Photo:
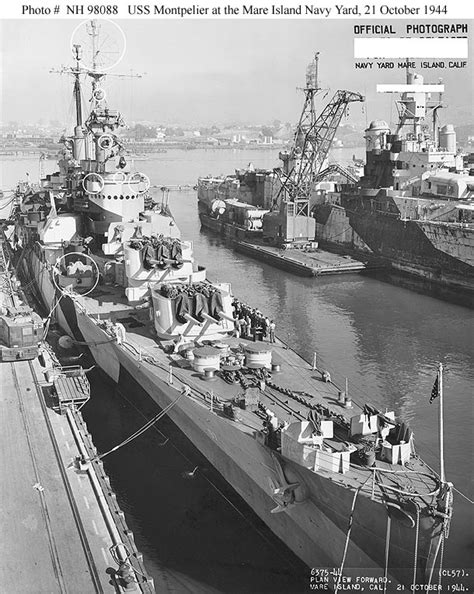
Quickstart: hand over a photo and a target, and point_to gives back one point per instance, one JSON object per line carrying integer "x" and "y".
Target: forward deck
{"x": 290, "y": 394}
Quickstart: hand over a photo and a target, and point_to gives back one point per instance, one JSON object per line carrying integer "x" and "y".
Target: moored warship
{"x": 413, "y": 205}
{"x": 342, "y": 486}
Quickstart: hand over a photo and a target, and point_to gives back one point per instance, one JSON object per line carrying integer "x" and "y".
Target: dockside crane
{"x": 304, "y": 161}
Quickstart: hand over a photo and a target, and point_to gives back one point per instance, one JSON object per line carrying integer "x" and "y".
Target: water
{"x": 385, "y": 339}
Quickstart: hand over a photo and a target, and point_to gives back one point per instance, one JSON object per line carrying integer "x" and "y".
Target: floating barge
{"x": 305, "y": 262}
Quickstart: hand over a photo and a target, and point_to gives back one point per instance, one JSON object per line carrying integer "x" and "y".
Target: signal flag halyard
{"x": 435, "y": 389}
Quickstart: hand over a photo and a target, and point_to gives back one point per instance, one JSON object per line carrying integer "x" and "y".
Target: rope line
{"x": 49, "y": 317}
{"x": 462, "y": 495}
{"x": 387, "y": 550}
{"x": 215, "y": 487}
{"x": 128, "y": 558}
{"x": 348, "y": 536}
{"x": 140, "y": 431}
{"x": 441, "y": 558}
{"x": 454, "y": 488}
{"x": 415, "y": 553}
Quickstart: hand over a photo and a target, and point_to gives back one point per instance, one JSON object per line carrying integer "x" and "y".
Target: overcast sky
{"x": 203, "y": 71}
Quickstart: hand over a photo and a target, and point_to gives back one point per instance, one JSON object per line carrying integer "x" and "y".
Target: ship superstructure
{"x": 342, "y": 486}
{"x": 413, "y": 205}
{"x": 79, "y": 219}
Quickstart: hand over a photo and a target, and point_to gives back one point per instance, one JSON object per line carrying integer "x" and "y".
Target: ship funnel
{"x": 447, "y": 138}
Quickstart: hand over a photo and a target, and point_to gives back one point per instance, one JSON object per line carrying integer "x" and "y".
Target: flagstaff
{"x": 441, "y": 429}
{"x": 437, "y": 391}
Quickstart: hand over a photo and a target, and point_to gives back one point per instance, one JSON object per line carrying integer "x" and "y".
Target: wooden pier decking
{"x": 58, "y": 526}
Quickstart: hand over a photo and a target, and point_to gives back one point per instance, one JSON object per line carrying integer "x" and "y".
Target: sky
{"x": 208, "y": 71}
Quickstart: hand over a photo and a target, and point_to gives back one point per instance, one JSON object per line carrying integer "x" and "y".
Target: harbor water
{"x": 386, "y": 340}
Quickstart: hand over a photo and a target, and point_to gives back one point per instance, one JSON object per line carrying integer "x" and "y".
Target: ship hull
{"x": 334, "y": 231}
{"x": 316, "y": 530}
{"x": 440, "y": 253}
{"x": 409, "y": 248}
{"x": 34, "y": 267}
{"x": 227, "y": 230}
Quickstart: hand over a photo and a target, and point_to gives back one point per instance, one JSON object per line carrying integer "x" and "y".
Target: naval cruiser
{"x": 342, "y": 486}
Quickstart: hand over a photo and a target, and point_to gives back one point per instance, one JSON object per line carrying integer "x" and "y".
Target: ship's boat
{"x": 413, "y": 205}
{"x": 342, "y": 486}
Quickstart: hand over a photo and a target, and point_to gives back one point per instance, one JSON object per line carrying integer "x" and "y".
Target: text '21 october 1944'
{"x": 242, "y": 10}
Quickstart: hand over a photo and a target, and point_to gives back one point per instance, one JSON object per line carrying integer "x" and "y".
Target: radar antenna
{"x": 96, "y": 47}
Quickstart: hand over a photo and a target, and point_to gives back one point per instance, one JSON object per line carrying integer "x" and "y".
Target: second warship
{"x": 414, "y": 204}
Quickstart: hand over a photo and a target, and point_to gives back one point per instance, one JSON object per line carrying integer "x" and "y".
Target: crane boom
{"x": 289, "y": 223}
{"x": 312, "y": 145}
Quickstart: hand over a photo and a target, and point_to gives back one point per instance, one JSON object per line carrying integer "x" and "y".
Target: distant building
{"x": 192, "y": 134}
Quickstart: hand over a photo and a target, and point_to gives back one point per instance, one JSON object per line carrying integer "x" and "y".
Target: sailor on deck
{"x": 271, "y": 331}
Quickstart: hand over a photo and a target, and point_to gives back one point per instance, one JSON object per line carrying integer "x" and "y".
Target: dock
{"x": 305, "y": 262}
{"x": 62, "y": 529}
